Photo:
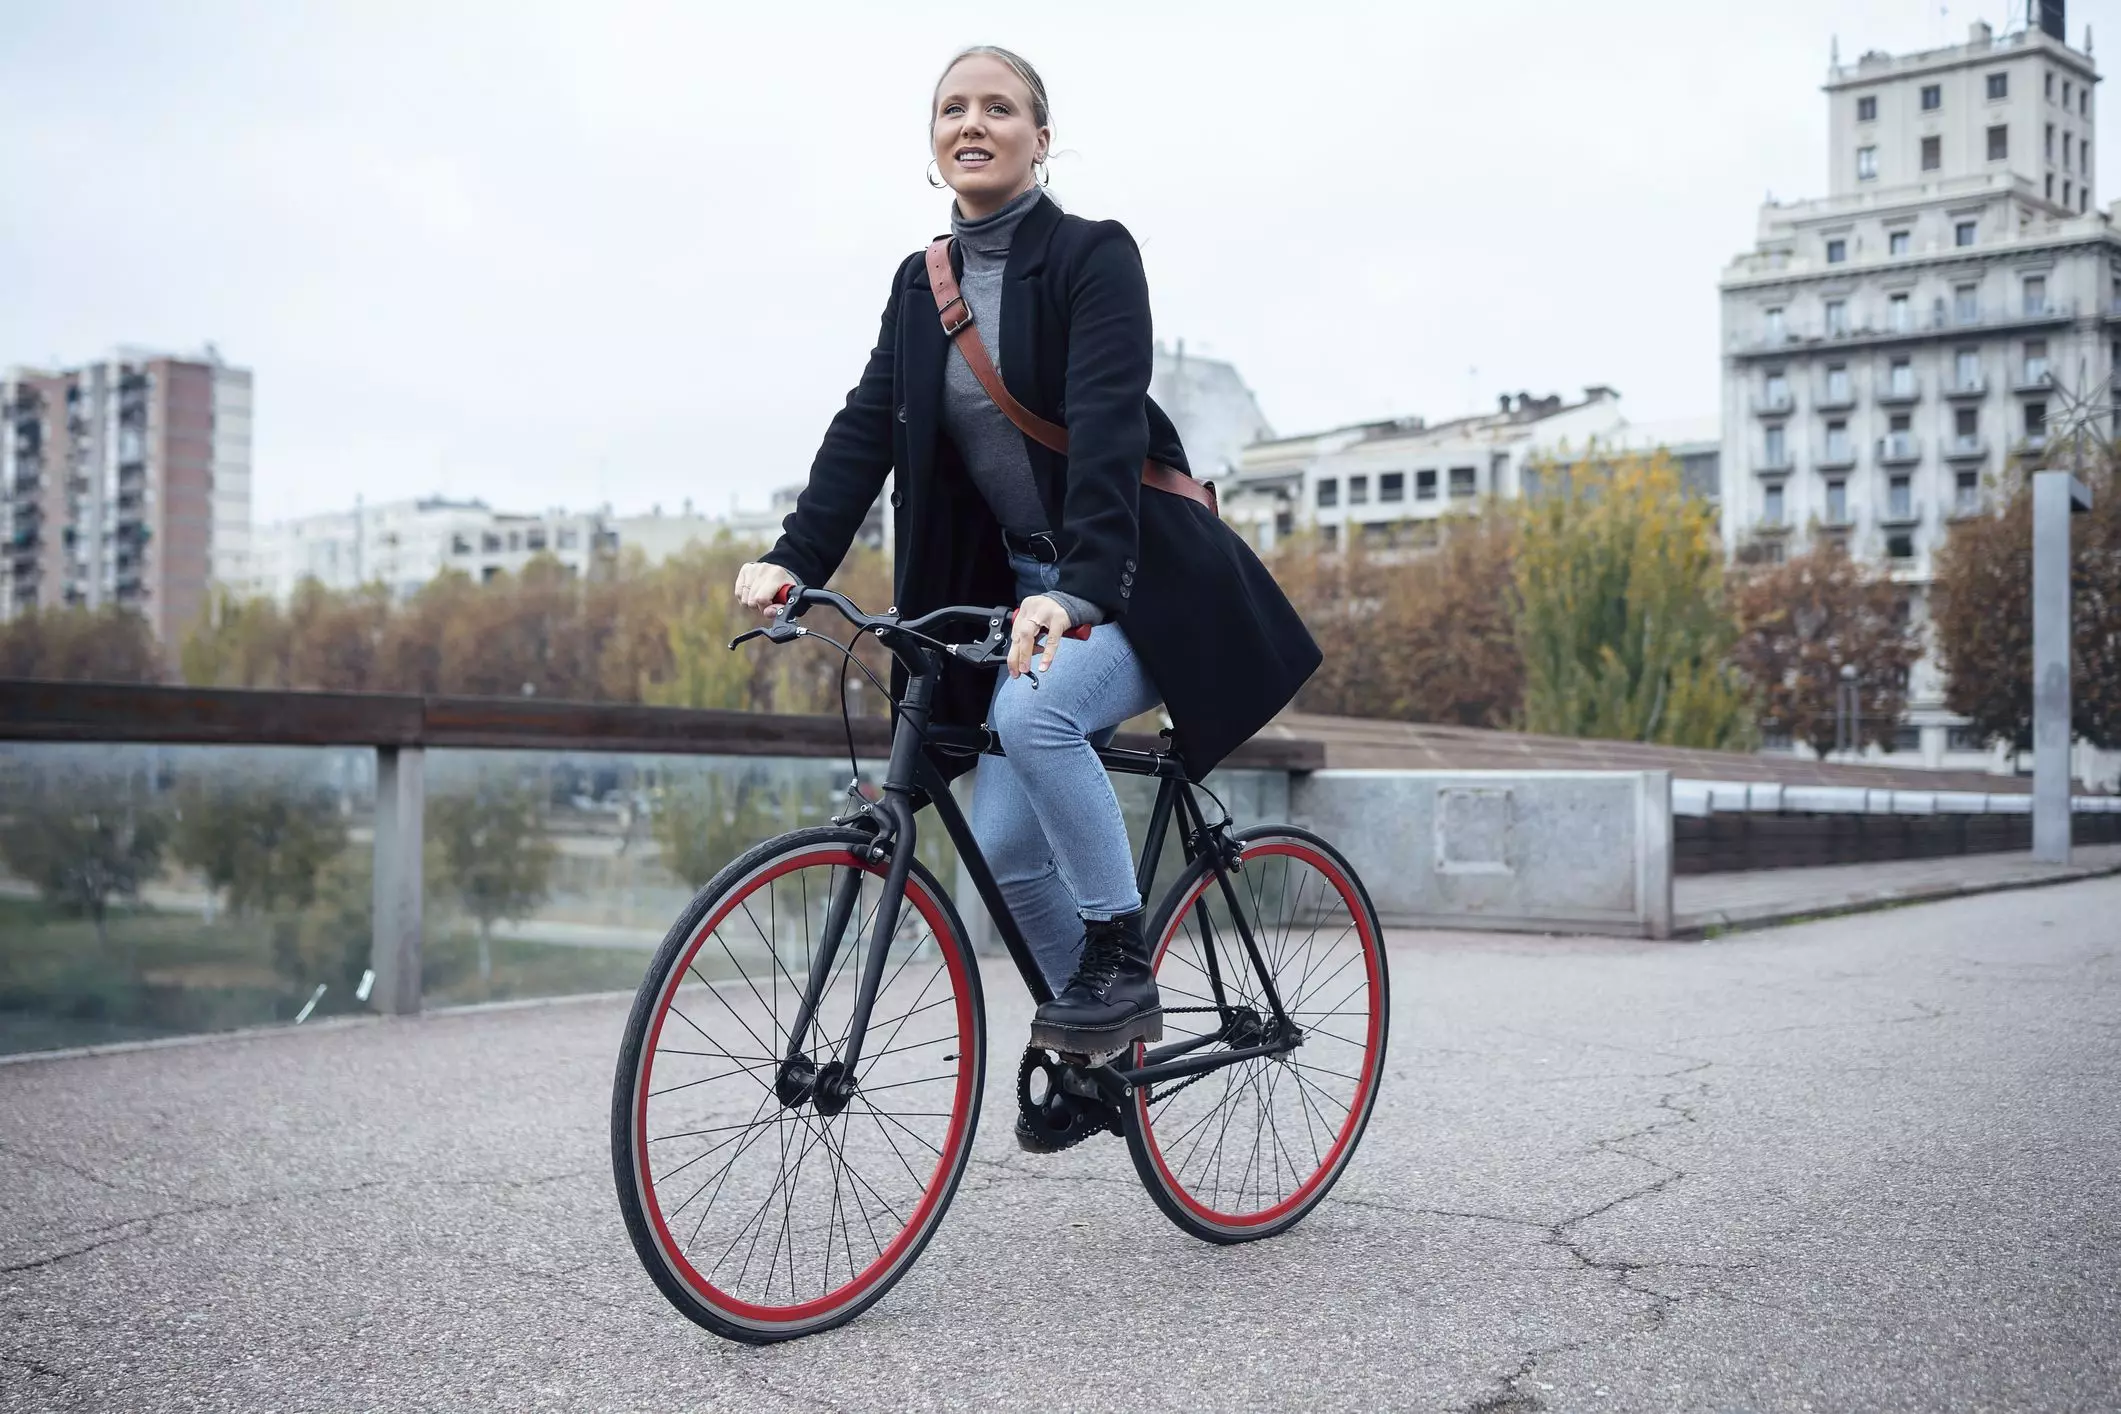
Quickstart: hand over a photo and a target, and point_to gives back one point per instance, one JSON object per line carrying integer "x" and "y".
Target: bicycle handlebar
{"x": 994, "y": 648}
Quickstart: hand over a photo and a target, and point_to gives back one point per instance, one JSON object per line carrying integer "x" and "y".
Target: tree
{"x": 1800, "y": 623}
{"x": 262, "y": 846}
{"x": 84, "y": 840}
{"x": 707, "y": 818}
{"x": 1423, "y": 637}
{"x": 1982, "y": 613}
{"x": 498, "y": 857}
{"x": 1623, "y": 626}
{"x": 76, "y": 644}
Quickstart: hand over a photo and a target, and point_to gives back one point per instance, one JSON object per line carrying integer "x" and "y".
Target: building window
{"x": 2035, "y": 295}
{"x": 1964, "y": 739}
{"x": 1900, "y": 545}
{"x": 1837, "y": 441}
{"x": 1866, "y": 163}
{"x": 1900, "y": 315}
{"x": 459, "y": 545}
{"x": 1867, "y": 109}
{"x": 568, "y": 538}
{"x": 2066, "y": 193}
{"x": 1966, "y": 492}
{"x": 1328, "y": 491}
{"x": 1999, "y": 142}
{"x": 1462, "y": 482}
{"x": 1837, "y": 383}
{"x": 535, "y": 540}
{"x": 1775, "y": 393}
{"x": 1999, "y": 85}
{"x": 1901, "y": 378}
{"x": 490, "y": 543}
{"x": 1906, "y": 739}
{"x": 2084, "y": 199}
{"x": 2050, "y": 86}
{"x": 1837, "y": 317}
{"x": 1932, "y": 153}
{"x": 1966, "y": 428}
{"x": 2084, "y": 102}
{"x": 2035, "y": 362}
{"x": 1775, "y": 447}
{"x": 2065, "y": 93}
{"x": 1771, "y": 506}
{"x": 2050, "y": 142}
{"x": 1966, "y": 369}
{"x": 1425, "y": 485}
{"x": 1896, "y": 243}
{"x": 2066, "y": 165}
{"x": 1837, "y": 502}
{"x": 1966, "y": 304}
{"x": 2050, "y": 186}
{"x": 1900, "y": 498}
{"x": 1837, "y": 250}
{"x": 1773, "y": 320}
{"x": 1963, "y": 233}
{"x": 1932, "y": 97}
{"x": 1392, "y": 486}
{"x": 1358, "y": 490}
{"x": 2036, "y": 422}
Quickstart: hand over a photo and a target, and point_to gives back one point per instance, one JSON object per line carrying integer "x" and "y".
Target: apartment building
{"x": 125, "y": 482}
{"x": 1890, "y": 346}
{"x": 404, "y": 544}
{"x": 1207, "y": 401}
{"x": 1389, "y": 483}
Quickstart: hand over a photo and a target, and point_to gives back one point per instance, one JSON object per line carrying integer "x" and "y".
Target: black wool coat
{"x": 1207, "y": 621}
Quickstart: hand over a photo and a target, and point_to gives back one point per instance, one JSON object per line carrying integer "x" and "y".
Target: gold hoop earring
{"x": 934, "y": 177}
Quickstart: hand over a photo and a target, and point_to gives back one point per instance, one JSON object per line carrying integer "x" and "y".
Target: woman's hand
{"x": 1033, "y": 615}
{"x": 757, "y": 585}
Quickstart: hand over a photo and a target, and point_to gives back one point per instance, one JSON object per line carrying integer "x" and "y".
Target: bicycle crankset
{"x": 1056, "y": 1117}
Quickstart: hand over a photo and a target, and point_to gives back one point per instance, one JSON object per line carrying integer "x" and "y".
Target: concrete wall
{"x": 1576, "y": 851}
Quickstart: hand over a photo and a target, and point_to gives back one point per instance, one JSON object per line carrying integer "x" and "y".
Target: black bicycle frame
{"x": 913, "y": 773}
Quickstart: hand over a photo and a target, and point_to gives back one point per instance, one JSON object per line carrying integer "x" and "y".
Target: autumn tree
{"x": 1801, "y": 622}
{"x": 77, "y": 644}
{"x": 1981, "y": 610}
{"x": 498, "y": 857}
{"x": 1623, "y": 623}
{"x": 1424, "y": 635}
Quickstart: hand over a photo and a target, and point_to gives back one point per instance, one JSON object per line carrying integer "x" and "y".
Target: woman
{"x": 1183, "y": 612}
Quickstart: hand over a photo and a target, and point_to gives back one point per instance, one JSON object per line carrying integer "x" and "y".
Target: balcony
{"x": 1836, "y": 399}
{"x": 2033, "y": 379}
{"x": 1837, "y": 456}
{"x": 1899, "y": 449}
{"x": 1773, "y": 404}
{"x": 1900, "y": 514}
{"x": 1817, "y": 338}
{"x": 1773, "y": 464}
{"x": 1975, "y": 387}
{"x": 1966, "y": 449}
{"x": 1901, "y": 396}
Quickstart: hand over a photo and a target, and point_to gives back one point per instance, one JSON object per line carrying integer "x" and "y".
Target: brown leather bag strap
{"x": 956, "y": 315}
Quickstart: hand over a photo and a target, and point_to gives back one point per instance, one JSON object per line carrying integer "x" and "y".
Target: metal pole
{"x": 2051, "y": 508}
{"x": 394, "y": 953}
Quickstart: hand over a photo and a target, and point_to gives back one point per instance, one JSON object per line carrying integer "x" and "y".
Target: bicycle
{"x": 786, "y": 1140}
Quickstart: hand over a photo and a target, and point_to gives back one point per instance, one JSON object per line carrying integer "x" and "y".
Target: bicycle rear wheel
{"x": 761, "y": 1212}
{"x": 1245, "y": 1151}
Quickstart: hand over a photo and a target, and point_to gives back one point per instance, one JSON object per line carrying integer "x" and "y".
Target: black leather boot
{"x": 1111, "y": 1000}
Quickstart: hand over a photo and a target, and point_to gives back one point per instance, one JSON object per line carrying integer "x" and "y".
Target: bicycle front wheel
{"x": 1246, "y": 1150}
{"x": 761, "y": 1211}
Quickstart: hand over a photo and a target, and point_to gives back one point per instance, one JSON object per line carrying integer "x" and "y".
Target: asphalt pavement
{"x": 1865, "y": 1163}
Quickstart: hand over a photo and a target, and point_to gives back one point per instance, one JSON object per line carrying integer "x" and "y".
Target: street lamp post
{"x": 1848, "y": 711}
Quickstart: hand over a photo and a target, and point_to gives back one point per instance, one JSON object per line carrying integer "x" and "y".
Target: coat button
{"x": 901, "y": 412}
{"x": 896, "y": 500}
{"x": 1130, "y": 564}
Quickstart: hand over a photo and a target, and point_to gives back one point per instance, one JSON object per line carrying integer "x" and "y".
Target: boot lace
{"x": 1100, "y": 961}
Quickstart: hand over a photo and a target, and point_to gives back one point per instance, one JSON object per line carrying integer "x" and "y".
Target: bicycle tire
{"x": 1148, "y": 1119}
{"x": 664, "y": 1254}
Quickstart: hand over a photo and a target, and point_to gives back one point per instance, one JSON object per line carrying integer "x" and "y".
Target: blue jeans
{"x": 1045, "y": 814}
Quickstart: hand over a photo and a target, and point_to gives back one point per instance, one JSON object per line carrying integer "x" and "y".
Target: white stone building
{"x": 1889, "y": 346}
{"x": 1389, "y": 482}
{"x": 1215, "y": 413}
{"x": 404, "y": 544}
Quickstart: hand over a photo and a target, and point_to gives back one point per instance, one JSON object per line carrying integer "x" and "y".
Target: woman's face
{"x": 985, "y": 136}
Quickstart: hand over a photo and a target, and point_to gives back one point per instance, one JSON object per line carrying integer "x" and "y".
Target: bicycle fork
{"x": 831, "y": 1086}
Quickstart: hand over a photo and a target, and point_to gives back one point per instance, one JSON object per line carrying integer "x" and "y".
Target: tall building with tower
{"x": 124, "y": 482}
{"x": 1889, "y": 347}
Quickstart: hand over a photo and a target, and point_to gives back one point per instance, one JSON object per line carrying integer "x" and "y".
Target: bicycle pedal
{"x": 1093, "y": 1059}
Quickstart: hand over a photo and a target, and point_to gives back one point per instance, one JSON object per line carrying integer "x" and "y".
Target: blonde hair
{"x": 1018, "y": 64}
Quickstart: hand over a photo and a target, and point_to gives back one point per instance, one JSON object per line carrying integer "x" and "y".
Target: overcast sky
{"x": 575, "y": 253}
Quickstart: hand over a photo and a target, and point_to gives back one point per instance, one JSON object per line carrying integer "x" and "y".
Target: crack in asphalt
{"x": 35, "y": 1367}
{"x": 1627, "y": 1275}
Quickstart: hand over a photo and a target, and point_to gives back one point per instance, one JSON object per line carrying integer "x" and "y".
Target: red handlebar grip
{"x": 780, "y": 596}
{"x": 1079, "y": 631}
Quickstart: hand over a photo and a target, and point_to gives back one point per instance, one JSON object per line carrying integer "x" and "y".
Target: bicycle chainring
{"x": 1059, "y": 1120}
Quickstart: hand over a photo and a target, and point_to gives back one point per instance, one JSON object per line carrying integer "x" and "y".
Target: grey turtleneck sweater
{"x": 992, "y": 448}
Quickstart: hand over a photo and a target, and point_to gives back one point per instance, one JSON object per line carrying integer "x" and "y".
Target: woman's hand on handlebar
{"x": 1036, "y": 614}
{"x": 759, "y": 586}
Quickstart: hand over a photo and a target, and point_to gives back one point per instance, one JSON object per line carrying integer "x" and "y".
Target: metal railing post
{"x": 401, "y": 799}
